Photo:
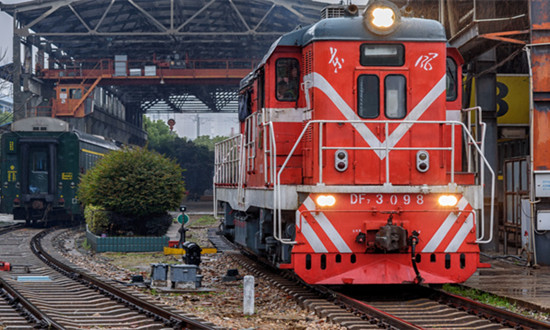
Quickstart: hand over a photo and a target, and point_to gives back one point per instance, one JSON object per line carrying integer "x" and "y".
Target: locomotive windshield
{"x": 395, "y": 97}
{"x": 368, "y": 93}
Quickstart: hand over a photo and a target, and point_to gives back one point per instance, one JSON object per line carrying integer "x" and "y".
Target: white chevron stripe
{"x": 321, "y": 83}
{"x": 312, "y": 237}
{"x": 327, "y": 227}
{"x": 314, "y": 79}
{"x": 443, "y": 230}
{"x": 461, "y": 234}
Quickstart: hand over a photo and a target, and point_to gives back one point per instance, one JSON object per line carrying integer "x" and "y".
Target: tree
{"x": 210, "y": 143}
{"x": 196, "y": 157}
{"x": 6, "y": 87}
{"x": 197, "y": 161}
{"x": 158, "y": 132}
{"x": 136, "y": 187}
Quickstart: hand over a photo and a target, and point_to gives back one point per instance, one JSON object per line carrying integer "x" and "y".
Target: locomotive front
{"x": 374, "y": 177}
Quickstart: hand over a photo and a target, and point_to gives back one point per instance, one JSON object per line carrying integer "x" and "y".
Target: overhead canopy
{"x": 198, "y": 29}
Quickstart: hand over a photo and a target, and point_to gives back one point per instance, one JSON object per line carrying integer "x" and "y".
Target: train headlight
{"x": 325, "y": 200}
{"x": 447, "y": 200}
{"x": 381, "y": 17}
{"x": 422, "y": 161}
{"x": 341, "y": 160}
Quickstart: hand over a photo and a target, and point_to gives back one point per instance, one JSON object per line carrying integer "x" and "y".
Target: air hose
{"x": 414, "y": 240}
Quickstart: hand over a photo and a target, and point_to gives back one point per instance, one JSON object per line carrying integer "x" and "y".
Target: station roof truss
{"x": 202, "y": 29}
{"x": 83, "y": 30}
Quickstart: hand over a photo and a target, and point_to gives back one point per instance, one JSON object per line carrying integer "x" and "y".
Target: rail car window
{"x": 382, "y": 55}
{"x": 452, "y": 91}
{"x": 395, "y": 97}
{"x": 38, "y": 175}
{"x": 288, "y": 79}
{"x": 368, "y": 96}
{"x": 39, "y": 159}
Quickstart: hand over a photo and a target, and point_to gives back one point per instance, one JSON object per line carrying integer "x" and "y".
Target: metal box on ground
{"x": 159, "y": 275}
{"x": 185, "y": 277}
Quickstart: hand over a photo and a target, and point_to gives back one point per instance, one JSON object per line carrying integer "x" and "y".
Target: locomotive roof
{"x": 352, "y": 29}
{"x": 48, "y": 125}
{"x": 39, "y": 124}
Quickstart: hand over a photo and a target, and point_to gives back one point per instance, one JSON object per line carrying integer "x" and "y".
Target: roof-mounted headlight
{"x": 381, "y": 17}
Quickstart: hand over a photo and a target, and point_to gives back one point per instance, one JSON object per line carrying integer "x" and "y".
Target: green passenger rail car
{"x": 42, "y": 160}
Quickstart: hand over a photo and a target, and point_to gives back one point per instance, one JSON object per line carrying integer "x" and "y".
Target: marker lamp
{"x": 325, "y": 200}
{"x": 447, "y": 200}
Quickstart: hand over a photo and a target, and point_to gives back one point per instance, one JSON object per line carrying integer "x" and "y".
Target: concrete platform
{"x": 512, "y": 279}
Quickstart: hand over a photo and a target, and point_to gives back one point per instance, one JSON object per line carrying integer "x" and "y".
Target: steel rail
{"x": 7, "y": 229}
{"x": 365, "y": 308}
{"x": 172, "y": 319}
{"x": 380, "y": 317}
{"x": 499, "y": 315}
{"x": 24, "y": 306}
{"x": 28, "y": 309}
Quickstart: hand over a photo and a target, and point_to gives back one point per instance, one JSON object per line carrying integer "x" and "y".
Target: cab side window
{"x": 288, "y": 79}
{"x": 452, "y": 91}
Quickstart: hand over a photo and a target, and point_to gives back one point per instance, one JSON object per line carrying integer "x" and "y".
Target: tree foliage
{"x": 158, "y": 132}
{"x": 196, "y": 157}
{"x": 134, "y": 186}
{"x": 208, "y": 142}
{"x": 197, "y": 161}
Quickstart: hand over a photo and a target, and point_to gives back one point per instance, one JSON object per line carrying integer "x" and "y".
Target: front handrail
{"x": 228, "y": 160}
{"x": 228, "y": 166}
{"x": 277, "y": 216}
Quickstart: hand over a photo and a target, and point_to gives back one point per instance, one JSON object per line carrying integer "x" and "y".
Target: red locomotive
{"x": 356, "y": 164}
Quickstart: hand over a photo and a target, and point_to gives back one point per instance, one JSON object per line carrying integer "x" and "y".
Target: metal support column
{"x": 539, "y": 49}
{"x": 18, "y": 106}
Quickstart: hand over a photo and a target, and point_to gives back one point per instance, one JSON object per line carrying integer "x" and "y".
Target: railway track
{"x": 68, "y": 297}
{"x": 391, "y": 307}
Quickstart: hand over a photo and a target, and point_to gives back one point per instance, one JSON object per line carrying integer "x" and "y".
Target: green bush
{"x": 97, "y": 219}
{"x": 137, "y": 186}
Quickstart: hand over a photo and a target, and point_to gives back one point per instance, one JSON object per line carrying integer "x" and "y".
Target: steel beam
{"x": 540, "y": 64}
